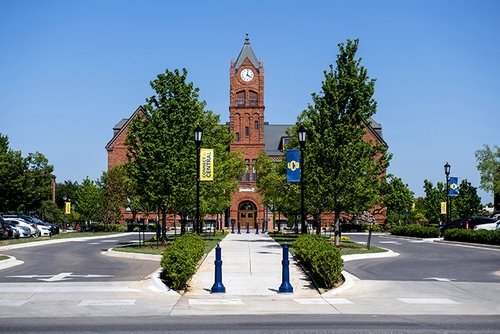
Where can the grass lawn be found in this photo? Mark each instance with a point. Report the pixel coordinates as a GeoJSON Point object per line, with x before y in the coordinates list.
{"type": "Point", "coordinates": [346, 247]}
{"type": "Point", "coordinates": [156, 248]}
{"type": "Point", "coordinates": [3, 257]}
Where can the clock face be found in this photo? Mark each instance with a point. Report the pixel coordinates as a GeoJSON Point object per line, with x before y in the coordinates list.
{"type": "Point", "coordinates": [246, 74]}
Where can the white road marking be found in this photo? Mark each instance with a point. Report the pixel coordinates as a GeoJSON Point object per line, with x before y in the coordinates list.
{"type": "Point", "coordinates": [310, 301]}
{"type": "Point", "coordinates": [11, 303]}
{"type": "Point", "coordinates": [59, 277]}
{"type": "Point", "coordinates": [215, 302]}
{"type": "Point", "coordinates": [428, 301]}
{"type": "Point", "coordinates": [107, 302]}
{"type": "Point", "coordinates": [390, 242]}
{"type": "Point", "coordinates": [338, 301]}
{"type": "Point", "coordinates": [109, 240]}
{"type": "Point", "coordinates": [440, 279]}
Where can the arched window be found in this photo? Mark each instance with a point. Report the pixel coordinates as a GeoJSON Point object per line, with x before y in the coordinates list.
{"type": "Point", "coordinates": [237, 136]}
{"type": "Point", "coordinates": [247, 131]}
{"type": "Point", "coordinates": [253, 99]}
{"type": "Point", "coordinates": [240, 99]}
{"type": "Point", "coordinates": [256, 125]}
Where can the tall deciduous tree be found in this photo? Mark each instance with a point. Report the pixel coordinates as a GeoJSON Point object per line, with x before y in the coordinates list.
{"type": "Point", "coordinates": [343, 171]}
{"type": "Point", "coordinates": [467, 202]}
{"type": "Point", "coordinates": [398, 198]}
{"type": "Point", "coordinates": [162, 152]}
{"type": "Point", "coordinates": [430, 205]}
{"type": "Point", "coordinates": [488, 165]}
{"type": "Point", "coordinates": [89, 203]}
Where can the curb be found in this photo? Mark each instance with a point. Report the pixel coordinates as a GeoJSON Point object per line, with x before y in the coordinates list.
{"type": "Point", "coordinates": [10, 262]}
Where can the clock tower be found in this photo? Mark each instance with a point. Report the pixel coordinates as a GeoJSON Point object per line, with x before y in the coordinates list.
{"type": "Point", "coordinates": [246, 122]}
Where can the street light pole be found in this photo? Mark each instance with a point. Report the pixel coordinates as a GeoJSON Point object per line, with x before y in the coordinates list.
{"type": "Point", "coordinates": [447, 168]}
{"type": "Point", "coordinates": [198, 133]}
{"type": "Point", "coordinates": [302, 142]}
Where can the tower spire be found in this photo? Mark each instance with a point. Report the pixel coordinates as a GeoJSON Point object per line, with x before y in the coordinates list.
{"type": "Point", "coordinates": [246, 52]}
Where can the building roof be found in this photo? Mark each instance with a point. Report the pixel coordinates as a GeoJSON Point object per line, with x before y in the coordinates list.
{"type": "Point", "coordinates": [273, 133]}
{"type": "Point", "coordinates": [246, 52]}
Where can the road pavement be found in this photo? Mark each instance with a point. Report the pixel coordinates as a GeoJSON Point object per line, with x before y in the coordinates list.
{"type": "Point", "coordinates": [251, 274]}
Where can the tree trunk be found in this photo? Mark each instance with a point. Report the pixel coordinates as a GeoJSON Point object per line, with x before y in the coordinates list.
{"type": "Point", "coordinates": [163, 223]}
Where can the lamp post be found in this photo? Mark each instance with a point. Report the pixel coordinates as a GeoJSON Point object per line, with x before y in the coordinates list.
{"type": "Point", "coordinates": [302, 142]}
{"type": "Point", "coordinates": [447, 168]}
{"type": "Point", "coordinates": [198, 133]}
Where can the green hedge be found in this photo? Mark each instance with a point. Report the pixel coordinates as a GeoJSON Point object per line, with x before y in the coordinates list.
{"type": "Point", "coordinates": [415, 230]}
{"type": "Point", "coordinates": [101, 227]}
{"type": "Point", "coordinates": [320, 257]}
{"type": "Point", "coordinates": [179, 261]}
{"type": "Point", "coordinates": [475, 236]}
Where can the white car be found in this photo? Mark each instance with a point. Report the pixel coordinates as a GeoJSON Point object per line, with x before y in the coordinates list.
{"type": "Point", "coordinates": [21, 222]}
{"type": "Point", "coordinates": [490, 227]}
{"type": "Point", "coordinates": [44, 230]}
{"type": "Point", "coordinates": [24, 232]}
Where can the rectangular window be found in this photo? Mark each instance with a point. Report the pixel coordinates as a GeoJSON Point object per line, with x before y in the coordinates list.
{"type": "Point", "coordinates": [247, 131]}
{"type": "Point", "coordinates": [253, 99]}
{"type": "Point", "coordinates": [240, 99]}
{"type": "Point", "coordinates": [247, 170]}
{"type": "Point", "coordinates": [256, 125]}
{"type": "Point", "coordinates": [254, 169]}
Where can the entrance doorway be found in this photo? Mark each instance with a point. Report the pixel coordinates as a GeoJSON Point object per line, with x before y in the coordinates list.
{"type": "Point", "coordinates": [247, 213]}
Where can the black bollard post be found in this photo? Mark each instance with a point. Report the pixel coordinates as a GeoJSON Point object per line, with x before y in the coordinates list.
{"type": "Point", "coordinates": [256, 228]}
{"type": "Point", "coordinates": [218, 287]}
{"type": "Point", "coordinates": [285, 286]}
{"type": "Point", "coordinates": [248, 227]}
{"type": "Point", "coordinates": [263, 226]}
{"type": "Point", "coordinates": [239, 228]}
{"type": "Point", "coordinates": [232, 226]}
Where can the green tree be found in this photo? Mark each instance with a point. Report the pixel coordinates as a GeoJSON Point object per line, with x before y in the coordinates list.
{"type": "Point", "coordinates": [271, 185]}
{"type": "Point", "coordinates": [343, 170]}
{"type": "Point", "coordinates": [115, 186]}
{"type": "Point", "coordinates": [398, 198]}
{"type": "Point", "coordinates": [162, 152]}
{"type": "Point", "coordinates": [37, 181]}
{"type": "Point", "coordinates": [488, 165]}
{"type": "Point", "coordinates": [12, 175]}
{"type": "Point", "coordinates": [67, 189]}
{"type": "Point", "coordinates": [89, 203]}
{"type": "Point", "coordinates": [467, 202]}
{"type": "Point", "coordinates": [430, 205]}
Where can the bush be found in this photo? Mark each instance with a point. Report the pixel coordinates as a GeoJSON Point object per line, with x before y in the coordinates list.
{"type": "Point", "coordinates": [320, 257]}
{"type": "Point", "coordinates": [179, 261]}
{"type": "Point", "coordinates": [101, 227]}
{"type": "Point", "coordinates": [415, 230]}
{"type": "Point", "coordinates": [475, 236]}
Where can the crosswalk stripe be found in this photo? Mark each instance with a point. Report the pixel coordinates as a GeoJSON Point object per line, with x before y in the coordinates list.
{"type": "Point", "coordinates": [107, 302]}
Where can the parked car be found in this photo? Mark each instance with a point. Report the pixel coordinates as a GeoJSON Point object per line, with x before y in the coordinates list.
{"type": "Point", "coordinates": [469, 222]}
{"type": "Point", "coordinates": [490, 227]}
{"type": "Point", "coordinates": [44, 230]}
{"type": "Point", "coordinates": [2, 230]}
{"type": "Point", "coordinates": [28, 220]}
{"type": "Point", "coordinates": [24, 232]}
{"type": "Point", "coordinates": [54, 229]}
{"type": "Point", "coordinates": [19, 221]}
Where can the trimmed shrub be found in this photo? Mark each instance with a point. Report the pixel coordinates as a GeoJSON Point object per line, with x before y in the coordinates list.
{"type": "Point", "coordinates": [320, 257]}
{"type": "Point", "coordinates": [475, 236]}
{"type": "Point", "coordinates": [102, 227]}
{"type": "Point", "coordinates": [415, 230]}
{"type": "Point", "coordinates": [179, 261]}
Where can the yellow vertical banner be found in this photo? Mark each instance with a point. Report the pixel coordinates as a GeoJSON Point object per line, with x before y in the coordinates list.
{"type": "Point", "coordinates": [206, 164]}
{"type": "Point", "coordinates": [67, 208]}
{"type": "Point", "coordinates": [443, 208]}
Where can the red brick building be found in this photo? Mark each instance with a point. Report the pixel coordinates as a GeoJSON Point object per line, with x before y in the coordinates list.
{"type": "Point", "coordinates": [252, 136]}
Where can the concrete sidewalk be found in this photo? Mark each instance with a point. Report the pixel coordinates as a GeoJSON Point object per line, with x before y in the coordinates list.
{"type": "Point", "coordinates": [252, 266]}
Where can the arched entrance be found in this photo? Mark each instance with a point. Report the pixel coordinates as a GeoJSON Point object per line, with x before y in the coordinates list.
{"type": "Point", "coordinates": [247, 213]}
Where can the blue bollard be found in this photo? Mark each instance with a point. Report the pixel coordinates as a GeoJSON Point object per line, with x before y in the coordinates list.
{"type": "Point", "coordinates": [218, 287]}
{"type": "Point", "coordinates": [239, 228]}
{"type": "Point", "coordinates": [256, 228]}
{"type": "Point", "coordinates": [248, 227]}
{"type": "Point", "coordinates": [232, 227]}
{"type": "Point", "coordinates": [285, 286]}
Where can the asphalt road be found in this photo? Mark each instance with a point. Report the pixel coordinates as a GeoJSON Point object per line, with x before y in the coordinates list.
{"type": "Point", "coordinates": [427, 261]}
{"type": "Point", "coordinates": [76, 261]}
{"type": "Point", "coordinates": [346, 324]}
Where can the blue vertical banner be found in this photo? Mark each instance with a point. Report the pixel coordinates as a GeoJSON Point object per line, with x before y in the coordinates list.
{"type": "Point", "coordinates": [453, 186]}
{"type": "Point", "coordinates": [293, 166]}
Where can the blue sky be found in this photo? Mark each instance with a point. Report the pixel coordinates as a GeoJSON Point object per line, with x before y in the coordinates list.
{"type": "Point", "coordinates": [70, 70]}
